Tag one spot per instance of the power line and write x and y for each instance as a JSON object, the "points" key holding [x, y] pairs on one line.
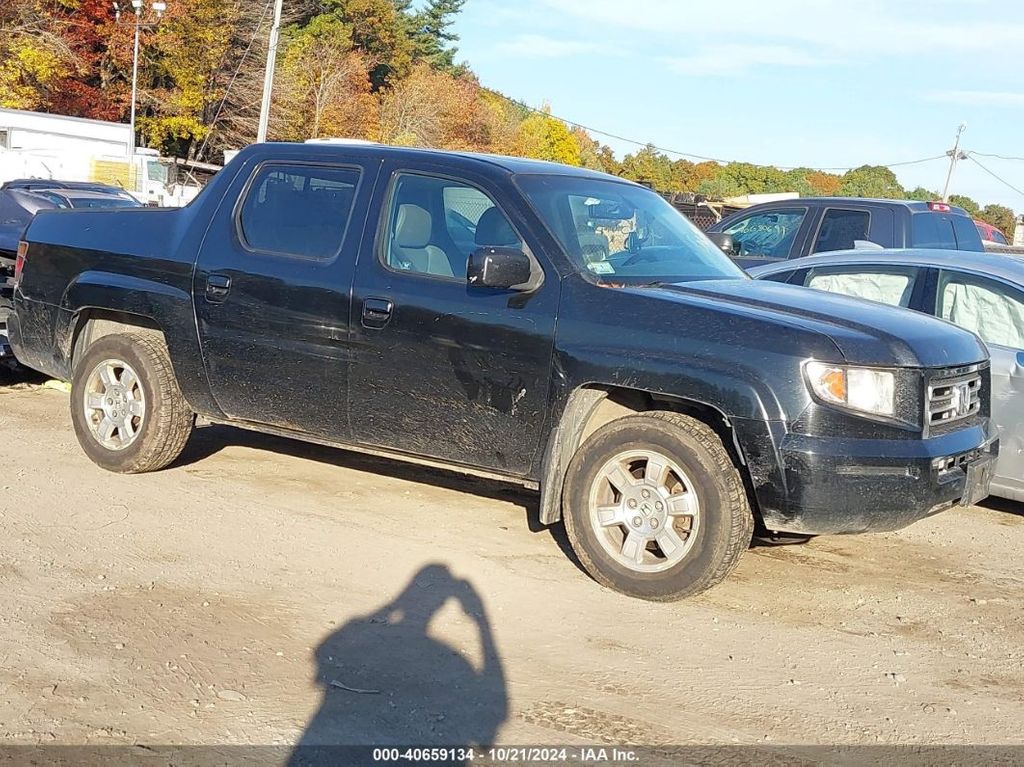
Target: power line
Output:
{"points": [[1000, 179], [998, 156], [691, 155]]}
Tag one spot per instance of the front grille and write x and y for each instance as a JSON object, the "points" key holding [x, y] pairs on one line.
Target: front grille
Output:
{"points": [[953, 396]]}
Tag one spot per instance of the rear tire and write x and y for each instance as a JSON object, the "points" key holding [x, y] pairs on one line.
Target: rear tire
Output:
{"points": [[127, 409], [654, 507]]}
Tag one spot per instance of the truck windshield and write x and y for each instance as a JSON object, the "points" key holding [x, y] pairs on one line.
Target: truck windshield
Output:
{"points": [[621, 234]]}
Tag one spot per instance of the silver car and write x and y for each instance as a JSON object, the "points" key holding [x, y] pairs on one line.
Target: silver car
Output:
{"points": [[983, 292]]}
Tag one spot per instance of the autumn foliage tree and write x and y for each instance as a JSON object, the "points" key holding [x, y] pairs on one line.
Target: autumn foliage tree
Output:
{"points": [[384, 70]]}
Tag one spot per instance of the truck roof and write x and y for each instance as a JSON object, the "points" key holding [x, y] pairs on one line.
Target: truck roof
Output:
{"points": [[513, 165], [913, 205]]}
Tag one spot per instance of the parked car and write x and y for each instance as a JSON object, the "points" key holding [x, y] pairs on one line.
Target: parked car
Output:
{"points": [[78, 198], [590, 342], [981, 292], [776, 231], [42, 184], [989, 234]]}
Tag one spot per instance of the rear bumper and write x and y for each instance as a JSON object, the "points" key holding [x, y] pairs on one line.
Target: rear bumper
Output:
{"points": [[820, 486]]}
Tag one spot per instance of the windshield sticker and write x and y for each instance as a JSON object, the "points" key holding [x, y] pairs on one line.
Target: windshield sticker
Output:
{"points": [[601, 267]]}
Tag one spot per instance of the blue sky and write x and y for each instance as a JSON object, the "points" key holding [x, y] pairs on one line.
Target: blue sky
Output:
{"points": [[783, 82]]}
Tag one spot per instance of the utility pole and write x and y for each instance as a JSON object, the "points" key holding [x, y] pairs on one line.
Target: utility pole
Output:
{"points": [[159, 6], [954, 155], [268, 77]]}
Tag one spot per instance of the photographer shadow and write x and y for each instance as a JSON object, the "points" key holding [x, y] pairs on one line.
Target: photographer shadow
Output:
{"points": [[387, 682]]}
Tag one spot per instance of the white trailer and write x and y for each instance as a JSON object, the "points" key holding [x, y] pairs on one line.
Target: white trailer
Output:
{"points": [[37, 145]]}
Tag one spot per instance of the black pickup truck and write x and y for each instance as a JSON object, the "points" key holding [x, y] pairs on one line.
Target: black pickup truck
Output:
{"points": [[518, 320], [774, 231]]}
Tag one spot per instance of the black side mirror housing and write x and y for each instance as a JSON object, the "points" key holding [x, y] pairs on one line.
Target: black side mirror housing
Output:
{"points": [[502, 268], [724, 241]]}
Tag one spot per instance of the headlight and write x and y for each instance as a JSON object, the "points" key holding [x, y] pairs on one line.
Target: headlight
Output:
{"points": [[862, 389]]}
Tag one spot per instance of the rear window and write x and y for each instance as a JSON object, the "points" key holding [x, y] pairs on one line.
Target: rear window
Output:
{"points": [[298, 210], [945, 231], [967, 237]]}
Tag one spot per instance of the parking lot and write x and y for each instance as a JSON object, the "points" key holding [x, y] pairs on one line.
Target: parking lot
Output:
{"points": [[266, 591]]}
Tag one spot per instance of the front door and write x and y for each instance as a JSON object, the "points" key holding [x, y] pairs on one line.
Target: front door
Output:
{"points": [[995, 311], [272, 291], [442, 369]]}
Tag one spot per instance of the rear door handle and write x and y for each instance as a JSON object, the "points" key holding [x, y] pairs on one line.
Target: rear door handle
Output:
{"points": [[377, 312], [217, 287]]}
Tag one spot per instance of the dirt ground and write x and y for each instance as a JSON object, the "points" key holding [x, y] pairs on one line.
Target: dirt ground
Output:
{"points": [[266, 591]]}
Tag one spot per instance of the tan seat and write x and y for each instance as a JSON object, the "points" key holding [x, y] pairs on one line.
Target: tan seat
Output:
{"points": [[410, 245]]}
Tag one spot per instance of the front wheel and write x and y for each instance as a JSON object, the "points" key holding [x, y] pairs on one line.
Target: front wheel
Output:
{"points": [[128, 412], [655, 508]]}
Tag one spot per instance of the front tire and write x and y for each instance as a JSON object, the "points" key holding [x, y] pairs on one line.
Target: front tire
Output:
{"points": [[128, 412], [654, 507]]}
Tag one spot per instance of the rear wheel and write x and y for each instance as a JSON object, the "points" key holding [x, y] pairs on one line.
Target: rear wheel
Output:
{"points": [[655, 508], [128, 412]]}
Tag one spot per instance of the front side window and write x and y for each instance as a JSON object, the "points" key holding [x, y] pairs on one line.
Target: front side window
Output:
{"points": [[887, 285], [298, 210], [840, 230], [992, 310], [767, 235], [435, 223], [618, 233]]}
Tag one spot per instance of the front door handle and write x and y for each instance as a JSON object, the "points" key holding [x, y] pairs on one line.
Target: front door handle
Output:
{"points": [[377, 312], [217, 287]]}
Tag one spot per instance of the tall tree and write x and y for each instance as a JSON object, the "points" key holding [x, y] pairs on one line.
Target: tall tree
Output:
{"points": [[921, 194], [324, 88], [1000, 217], [33, 54], [650, 167], [966, 203], [544, 138], [433, 109], [431, 33], [871, 181], [381, 30]]}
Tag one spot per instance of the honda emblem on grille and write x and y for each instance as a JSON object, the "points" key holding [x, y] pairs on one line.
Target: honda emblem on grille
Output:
{"points": [[961, 399]]}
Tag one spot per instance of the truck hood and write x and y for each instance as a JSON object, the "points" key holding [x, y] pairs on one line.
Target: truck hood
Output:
{"points": [[865, 332]]}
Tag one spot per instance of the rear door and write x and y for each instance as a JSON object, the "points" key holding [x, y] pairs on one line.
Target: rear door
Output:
{"points": [[272, 293], [888, 284], [995, 311]]}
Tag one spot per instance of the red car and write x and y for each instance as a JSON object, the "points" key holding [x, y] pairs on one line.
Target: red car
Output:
{"points": [[989, 234]]}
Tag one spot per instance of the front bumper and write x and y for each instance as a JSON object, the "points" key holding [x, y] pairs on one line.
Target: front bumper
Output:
{"points": [[828, 485]]}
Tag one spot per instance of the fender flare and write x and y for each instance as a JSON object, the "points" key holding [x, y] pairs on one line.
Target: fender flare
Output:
{"points": [[167, 307], [567, 436]]}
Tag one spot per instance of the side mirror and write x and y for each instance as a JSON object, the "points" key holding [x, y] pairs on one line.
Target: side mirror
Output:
{"points": [[502, 268], [724, 241]]}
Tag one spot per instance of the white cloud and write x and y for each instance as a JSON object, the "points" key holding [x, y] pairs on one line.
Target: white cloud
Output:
{"points": [[542, 47], [735, 59], [977, 98], [870, 29]]}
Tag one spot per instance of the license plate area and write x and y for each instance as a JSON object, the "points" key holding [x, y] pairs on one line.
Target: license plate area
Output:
{"points": [[979, 480]]}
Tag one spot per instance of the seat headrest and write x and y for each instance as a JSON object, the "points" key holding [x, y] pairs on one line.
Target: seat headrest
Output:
{"points": [[413, 227], [494, 230]]}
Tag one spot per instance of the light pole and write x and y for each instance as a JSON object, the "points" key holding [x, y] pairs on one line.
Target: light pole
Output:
{"points": [[159, 7], [268, 76]]}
